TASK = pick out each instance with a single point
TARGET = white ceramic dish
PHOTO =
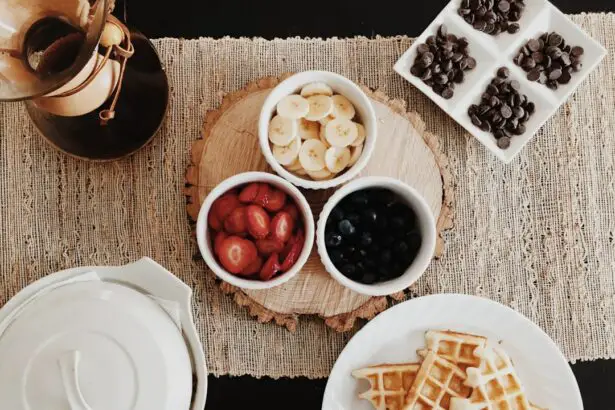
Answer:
(394, 336)
(102, 337)
(340, 85)
(203, 232)
(491, 52)
(427, 226)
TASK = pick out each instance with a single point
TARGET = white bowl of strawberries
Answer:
(255, 230)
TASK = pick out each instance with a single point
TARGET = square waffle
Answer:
(437, 382)
(389, 384)
(458, 348)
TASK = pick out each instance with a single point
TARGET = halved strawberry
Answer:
(277, 199)
(214, 221)
(253, 268)
(262, 198)
(224, 205)
(236, 254)
(220, 237)
(235, 222)
(270, 268)
(258, 221)
(292, 210)
(248, 194)
(296, 246)
(282, 226)
(267, 246)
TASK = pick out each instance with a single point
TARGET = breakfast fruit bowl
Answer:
(317, 129)
(255, 230)
(376, 235)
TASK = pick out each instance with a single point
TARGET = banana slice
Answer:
(341, 132)
(342, 107)
(321, 175)
(295, 166)
(287, 154)
(312, 155)
(337, 159)
(320, 107)
(321, 136)
(293, 107)
(355, 154)
(301, 172)
(316, 89)
(327, 119)
(308, 130)
(361, 135)
(282, 130)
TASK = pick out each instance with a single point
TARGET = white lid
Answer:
(93, 345)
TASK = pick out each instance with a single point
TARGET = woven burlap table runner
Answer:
(537, 234)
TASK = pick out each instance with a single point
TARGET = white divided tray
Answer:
(492, 52)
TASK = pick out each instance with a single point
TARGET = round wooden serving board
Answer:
(229, 146)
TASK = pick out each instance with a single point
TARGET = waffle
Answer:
(437, 382)
(389, 384)
(496, 385)
(458, 348)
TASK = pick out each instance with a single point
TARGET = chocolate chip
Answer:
(577, 51)
(506, 111)
(422, 48)
(504, 6)
(447, 93)
(538, 57)
(555, 74)
(475, 120)
(534, 45)
(503, 72)
(503, 142)
(513, 28)
(514, 84)
(555, 39)
(564, 78)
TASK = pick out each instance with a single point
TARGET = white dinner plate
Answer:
(395, 335)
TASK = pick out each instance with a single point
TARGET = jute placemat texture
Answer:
(537, 234)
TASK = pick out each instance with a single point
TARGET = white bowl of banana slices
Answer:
(317, 129)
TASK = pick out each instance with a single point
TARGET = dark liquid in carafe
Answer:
(51, 45)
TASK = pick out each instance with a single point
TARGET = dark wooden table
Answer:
(320, 18)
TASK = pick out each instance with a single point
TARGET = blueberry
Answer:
(349, 250)
(397, 270)
(383, 272)
(413, 238)
(374, 249)
(397, 223)
(354, 219)
(387, 241)
(369, 217)
(349, 270)
(337, 214)
(368, 278)
(336, 256)
(362, 253)
(401, 249)
(366, 239)
(385, 257)
(346, 228)
(370, 263)
(359, 199)
(333, 239)
(382, 223)
(360, 268)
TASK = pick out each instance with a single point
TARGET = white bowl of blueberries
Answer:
(376, 235)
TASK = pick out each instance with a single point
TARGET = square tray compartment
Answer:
(491, 52)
